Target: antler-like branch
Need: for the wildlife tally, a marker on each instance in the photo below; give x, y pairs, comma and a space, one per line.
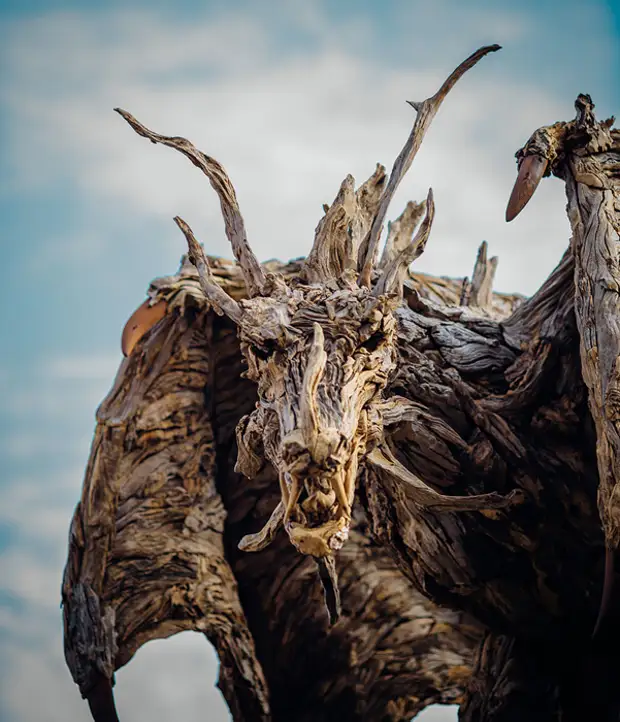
423, 495
344, 226
233, 220
426, 111
393, 275
216, 295
400, 231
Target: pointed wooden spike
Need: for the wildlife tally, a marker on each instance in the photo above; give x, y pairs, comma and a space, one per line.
416, 105
531, 171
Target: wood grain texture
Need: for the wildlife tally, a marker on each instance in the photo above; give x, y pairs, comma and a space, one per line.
592, 174
150, 528
146, 555
437, 447
445, 435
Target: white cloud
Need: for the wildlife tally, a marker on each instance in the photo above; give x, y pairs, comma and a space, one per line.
165, 677
438, 713
288, 133
86, 367
25, 444
32, 580
40, 507
52, 403
185, 667
54, 700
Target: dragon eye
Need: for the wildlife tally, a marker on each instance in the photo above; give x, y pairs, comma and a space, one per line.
264, 351
373, 342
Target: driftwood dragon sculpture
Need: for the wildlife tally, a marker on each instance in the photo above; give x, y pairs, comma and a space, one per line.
428, 448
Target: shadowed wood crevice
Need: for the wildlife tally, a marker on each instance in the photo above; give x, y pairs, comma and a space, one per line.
390, 655
515, 679
466, 374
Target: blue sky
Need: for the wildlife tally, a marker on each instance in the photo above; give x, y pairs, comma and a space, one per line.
290, 98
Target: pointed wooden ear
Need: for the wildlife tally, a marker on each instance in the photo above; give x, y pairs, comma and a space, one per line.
141, 321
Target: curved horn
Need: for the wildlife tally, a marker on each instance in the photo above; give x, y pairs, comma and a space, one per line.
220, 182
308, 411
425, 496
531, 170
218, 297
425, 112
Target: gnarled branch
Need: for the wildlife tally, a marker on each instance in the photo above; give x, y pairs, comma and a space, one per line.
218, 298
425, 112
400, 231
340, 232
220, 182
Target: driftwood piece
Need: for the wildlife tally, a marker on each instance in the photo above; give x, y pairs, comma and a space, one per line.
146, 555
533, 573
479, 291
423, 441
490, 405
391, 653
592, 174
400, 232
585, 153
220, 182
322, 347
425, 112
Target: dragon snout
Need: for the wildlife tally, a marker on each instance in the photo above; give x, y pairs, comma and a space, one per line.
321, 452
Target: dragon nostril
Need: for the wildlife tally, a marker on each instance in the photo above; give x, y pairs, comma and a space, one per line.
372, 344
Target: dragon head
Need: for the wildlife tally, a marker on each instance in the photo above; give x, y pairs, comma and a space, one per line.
321, 346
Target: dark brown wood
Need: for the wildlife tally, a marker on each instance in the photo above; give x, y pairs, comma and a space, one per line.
392, 653
146, 554
438, 448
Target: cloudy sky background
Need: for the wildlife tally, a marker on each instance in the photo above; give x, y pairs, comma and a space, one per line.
290, 96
